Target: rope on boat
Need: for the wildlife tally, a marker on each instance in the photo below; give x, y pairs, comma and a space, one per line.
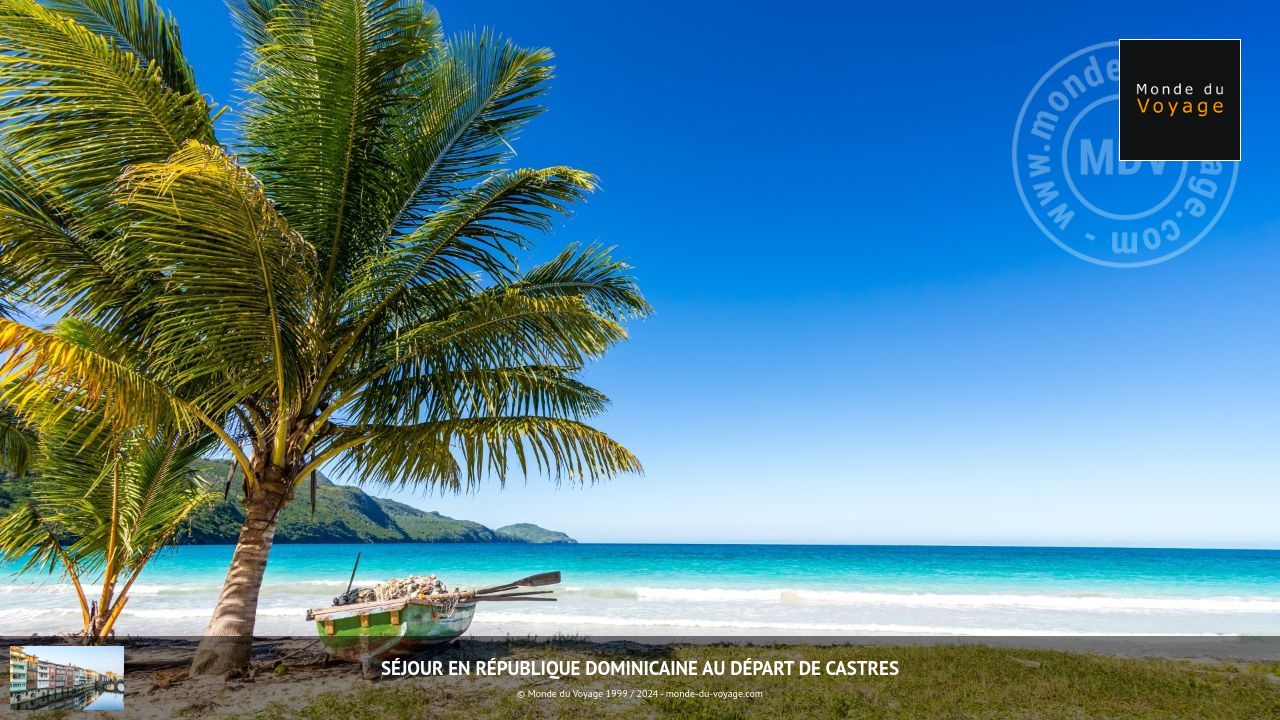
447, 604
414, 586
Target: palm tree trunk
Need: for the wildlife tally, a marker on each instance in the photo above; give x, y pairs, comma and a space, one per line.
74, 574
109, 572
123, 598
228, 639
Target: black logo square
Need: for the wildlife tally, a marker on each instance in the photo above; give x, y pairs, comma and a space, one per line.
1179, 100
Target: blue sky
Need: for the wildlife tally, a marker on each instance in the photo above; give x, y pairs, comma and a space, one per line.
108, 658
860, 336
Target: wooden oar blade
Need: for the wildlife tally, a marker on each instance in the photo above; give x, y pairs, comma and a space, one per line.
547, 578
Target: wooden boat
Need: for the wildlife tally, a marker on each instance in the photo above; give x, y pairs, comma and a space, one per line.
397, 627
371, 631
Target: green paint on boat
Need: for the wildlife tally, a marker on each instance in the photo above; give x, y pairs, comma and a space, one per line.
419, 625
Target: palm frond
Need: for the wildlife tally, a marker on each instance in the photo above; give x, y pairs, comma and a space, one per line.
494, 329
592, 274
324, 80
135, 487
456, 454
51, 374
75, 108
27, 538
476, 231
251, 18
206, 224
446, 393
151, 478
140, 27
45, 258
472, 104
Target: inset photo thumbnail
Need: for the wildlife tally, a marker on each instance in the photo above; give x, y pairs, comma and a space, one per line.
66, 677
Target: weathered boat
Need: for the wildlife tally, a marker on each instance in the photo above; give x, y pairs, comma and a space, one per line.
370, 631
384, 629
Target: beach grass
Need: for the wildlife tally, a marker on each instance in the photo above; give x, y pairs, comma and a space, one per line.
941, 681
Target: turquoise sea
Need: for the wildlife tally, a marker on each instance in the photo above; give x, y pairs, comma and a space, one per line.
727, 589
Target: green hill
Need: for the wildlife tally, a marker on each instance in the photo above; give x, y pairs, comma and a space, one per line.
530, 533
343, 514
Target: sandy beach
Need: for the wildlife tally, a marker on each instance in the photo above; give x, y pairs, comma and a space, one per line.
290, 675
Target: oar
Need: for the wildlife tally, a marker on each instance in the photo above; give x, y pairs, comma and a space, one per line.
514, 598
353, 572
515, 594
547, 578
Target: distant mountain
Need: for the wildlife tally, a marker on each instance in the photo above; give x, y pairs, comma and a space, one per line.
530, 533
343, 514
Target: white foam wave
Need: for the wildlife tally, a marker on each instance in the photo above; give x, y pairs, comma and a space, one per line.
67, 589
55, 592
50, 588
28, 613
206, 612
171, 613
1087, 603
295, 612
708, 625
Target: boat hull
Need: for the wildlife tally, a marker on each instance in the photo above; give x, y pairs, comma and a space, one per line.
390, 629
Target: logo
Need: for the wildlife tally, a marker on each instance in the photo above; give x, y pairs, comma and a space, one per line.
1180, 100
1069, 175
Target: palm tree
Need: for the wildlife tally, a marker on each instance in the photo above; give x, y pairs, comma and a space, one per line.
102, 504
341, 285
103, 511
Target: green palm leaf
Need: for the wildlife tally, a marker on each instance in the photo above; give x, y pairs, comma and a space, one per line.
457, 454
140, 27
324, 84
205, 223
472, 104
53, 375
26, 537
75, 108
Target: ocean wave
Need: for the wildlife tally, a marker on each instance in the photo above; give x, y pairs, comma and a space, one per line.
180, 613
27, 588
27, 613
170, 613
317, 588
1082, 602
292, 597
608, 593
543, 622
91, 589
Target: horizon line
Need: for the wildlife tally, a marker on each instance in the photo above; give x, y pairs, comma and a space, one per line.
1033, 546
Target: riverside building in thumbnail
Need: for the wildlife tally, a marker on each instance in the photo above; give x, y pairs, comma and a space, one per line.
29, 672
